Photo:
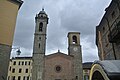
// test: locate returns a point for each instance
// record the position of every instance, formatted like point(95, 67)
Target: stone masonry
point(4, 59)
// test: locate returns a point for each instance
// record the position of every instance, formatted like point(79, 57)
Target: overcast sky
point(64, 16)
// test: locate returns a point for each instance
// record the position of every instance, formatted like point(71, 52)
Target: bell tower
point(74, 49)
point(39, 47)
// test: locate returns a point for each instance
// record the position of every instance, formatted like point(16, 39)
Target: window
point(86, 77)
point(10, 68)
point(41, 15)
point(13, 70)
point(13, 77)
point(58, 68)
point(74, 39)
point(29, 62)
point(23, 63)
point(39, 38)
point(26, 71)
point(27, 77)
point(20, 70)
point(19, 77)
point(14, 63)
point(39, 45)
point(24, 78)
point(19, 63)
point(41, 26)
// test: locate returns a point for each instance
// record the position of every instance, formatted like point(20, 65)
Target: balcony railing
point(114, 35)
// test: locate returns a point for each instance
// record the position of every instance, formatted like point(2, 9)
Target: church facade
point(57, 66)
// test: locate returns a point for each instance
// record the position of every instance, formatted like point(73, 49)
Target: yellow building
point(20, 68)
point(86, 70)
point(8, 13)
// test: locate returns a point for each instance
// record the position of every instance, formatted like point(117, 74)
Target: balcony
point(114, 35)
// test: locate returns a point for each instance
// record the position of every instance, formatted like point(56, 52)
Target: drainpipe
point(101, 46)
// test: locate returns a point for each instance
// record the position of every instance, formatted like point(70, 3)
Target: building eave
point(19, 2)
point(13, 58)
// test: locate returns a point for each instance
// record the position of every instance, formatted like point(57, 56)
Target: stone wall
point(4, 60)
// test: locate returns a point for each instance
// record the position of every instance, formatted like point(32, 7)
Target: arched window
point(74, 39)
point(41, 26)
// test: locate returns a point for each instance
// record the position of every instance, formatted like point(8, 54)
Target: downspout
point(102, 52)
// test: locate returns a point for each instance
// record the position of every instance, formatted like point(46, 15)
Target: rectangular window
point(14, 63)
point(19, 77)
point(39, 45)
point(10, 68)
point(20, 70)
point(23, 63)
point(26, 71)
point(86, 77)
point(13, 70)
point(19, 63)
point(27, 77)
point(40, 38)
point(24, 78)
point(29, 62)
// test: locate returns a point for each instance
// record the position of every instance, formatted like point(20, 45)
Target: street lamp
point(18, 50)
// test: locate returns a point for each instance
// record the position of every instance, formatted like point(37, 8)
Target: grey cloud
point(24, 33)
point(65, 16)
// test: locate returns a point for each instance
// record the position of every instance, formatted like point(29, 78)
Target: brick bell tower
point(41, 21)
point(74, 49)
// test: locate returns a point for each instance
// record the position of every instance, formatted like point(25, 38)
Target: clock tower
point(74, 49)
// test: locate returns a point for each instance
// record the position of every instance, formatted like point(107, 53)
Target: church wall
point(66, 72)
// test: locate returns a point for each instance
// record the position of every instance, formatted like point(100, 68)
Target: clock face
point(75, 48)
